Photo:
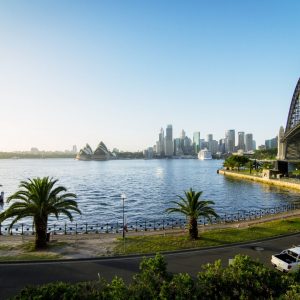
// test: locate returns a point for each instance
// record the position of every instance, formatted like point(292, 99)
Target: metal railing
point(146, 225)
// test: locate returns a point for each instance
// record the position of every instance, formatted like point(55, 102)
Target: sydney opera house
point(101, 153)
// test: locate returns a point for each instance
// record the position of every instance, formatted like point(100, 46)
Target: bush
point(243, 279)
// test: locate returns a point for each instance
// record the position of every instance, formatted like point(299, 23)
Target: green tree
point(235, 161)
point(193, 208)
point(39, 198)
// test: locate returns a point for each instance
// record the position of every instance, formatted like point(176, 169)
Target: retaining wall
point(276, 182)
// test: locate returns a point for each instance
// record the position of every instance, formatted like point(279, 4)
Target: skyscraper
point(160, 145)
point(249, 142)
point(169, 151)
point(230, 140)
point(209, 142)
point(196, 141)
point(241, 140)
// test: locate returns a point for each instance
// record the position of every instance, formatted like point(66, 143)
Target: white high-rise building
point(160, 144)
point(169, 146)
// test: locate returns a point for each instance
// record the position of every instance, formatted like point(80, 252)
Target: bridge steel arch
point(291, 137)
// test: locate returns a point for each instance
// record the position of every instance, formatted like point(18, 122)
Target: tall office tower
point(177, 147)
point(187, 146)
point(241, 140)
point(230, 140)
point(272, 143)
point(222, 145)
point(196, 141)
point(161, 143)
point(182, 136)
point(169, 151)
point(253, 145)
point(203, 144)
point(209, 137)
point(214, 145)
point(209, 142)
point(249, 142)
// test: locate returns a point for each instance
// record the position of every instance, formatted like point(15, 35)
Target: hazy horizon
point(76, 72)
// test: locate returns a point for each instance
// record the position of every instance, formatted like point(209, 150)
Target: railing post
point(225, 218)
point(0, 229)
point(117, 230)
point(136, 226)
point(107, 228)
point(32, 229)
point(76, 228)
point(154, 225)
point(145, 228)
point(163, 224)
point(54, 226)
point(86, 228)
point(22, 229)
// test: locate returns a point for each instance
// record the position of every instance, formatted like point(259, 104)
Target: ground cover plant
point(243, 279)
point(214, 237)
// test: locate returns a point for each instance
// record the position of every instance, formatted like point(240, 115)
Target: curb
point(129, 256)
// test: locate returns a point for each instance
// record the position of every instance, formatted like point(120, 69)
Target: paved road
point(14, 277)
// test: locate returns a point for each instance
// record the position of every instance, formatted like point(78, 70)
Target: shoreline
point(84, 246)
point(275, 182)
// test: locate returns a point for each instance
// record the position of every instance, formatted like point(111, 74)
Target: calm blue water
point(149, 185)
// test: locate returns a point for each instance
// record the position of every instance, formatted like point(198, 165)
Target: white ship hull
point(204, 155)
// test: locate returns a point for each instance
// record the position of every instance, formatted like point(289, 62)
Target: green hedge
point(243, 279)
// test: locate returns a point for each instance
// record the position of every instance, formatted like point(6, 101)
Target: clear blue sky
point(73, 72)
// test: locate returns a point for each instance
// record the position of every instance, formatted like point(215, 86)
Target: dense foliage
point(192, 207)
point(265, 154)
point(236, 162)
point(243, 279)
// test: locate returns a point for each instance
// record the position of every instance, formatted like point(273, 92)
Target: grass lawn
point(214, 237)
point(26, 251)
point(30, 256)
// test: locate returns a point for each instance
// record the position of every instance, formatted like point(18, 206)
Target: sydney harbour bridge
point(289, 139)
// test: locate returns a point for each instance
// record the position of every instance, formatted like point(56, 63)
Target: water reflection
point(150, 186)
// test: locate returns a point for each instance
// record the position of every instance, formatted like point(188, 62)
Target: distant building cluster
point(182, 146)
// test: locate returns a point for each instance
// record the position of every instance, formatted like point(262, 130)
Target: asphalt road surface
point(15, 276)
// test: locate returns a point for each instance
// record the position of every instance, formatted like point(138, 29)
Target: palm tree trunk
point(40, 233)
point(193, 228)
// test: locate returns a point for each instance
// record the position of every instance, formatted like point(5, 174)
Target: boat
point(204, 154)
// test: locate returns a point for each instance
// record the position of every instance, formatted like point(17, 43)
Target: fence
point(147, 225)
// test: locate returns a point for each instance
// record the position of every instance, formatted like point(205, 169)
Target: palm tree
point(38, 198)
point(193, 208)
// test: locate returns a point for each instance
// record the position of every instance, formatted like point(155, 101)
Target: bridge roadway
point(14, 276)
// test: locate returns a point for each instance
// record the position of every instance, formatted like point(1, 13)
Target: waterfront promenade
point(282, 182)
point(82, 246)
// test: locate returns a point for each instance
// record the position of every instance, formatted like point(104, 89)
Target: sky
point(77, 72)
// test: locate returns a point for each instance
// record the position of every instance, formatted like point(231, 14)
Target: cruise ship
point(204, 154)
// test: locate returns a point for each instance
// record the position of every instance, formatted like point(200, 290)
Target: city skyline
point(232, 141)
point(73, 73)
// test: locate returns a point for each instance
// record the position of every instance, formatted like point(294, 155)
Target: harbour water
point(150, 186)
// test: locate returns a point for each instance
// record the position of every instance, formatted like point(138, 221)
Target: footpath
point(103, 244)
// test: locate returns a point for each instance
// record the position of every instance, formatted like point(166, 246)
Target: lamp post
point(123, 197)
